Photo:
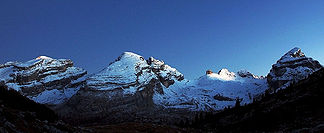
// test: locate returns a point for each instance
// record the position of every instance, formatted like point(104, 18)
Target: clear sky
point(190, 35)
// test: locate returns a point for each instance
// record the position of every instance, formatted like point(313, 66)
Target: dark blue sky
point(191, 36)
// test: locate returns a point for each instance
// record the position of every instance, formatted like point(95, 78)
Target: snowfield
point(211, 92)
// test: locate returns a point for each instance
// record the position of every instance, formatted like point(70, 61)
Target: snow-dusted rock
point(133, 88)
point(131, 70)
point(43, 79)
point(123, 89)
point(292, 67)
point(245, 73)
point(212, 92)
point(223, 74)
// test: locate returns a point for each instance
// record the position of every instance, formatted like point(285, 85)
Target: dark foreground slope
point(19, 114)
point(299, 108)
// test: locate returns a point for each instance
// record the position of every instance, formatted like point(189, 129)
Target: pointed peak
point(294, 49)
point(292, 54)
point(295, 52)
point(129, 56)
point(223, 74)
point(292, 67)
point(223, 71)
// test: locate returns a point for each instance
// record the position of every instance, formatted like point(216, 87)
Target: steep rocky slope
point(291, 67)
point(44, 80)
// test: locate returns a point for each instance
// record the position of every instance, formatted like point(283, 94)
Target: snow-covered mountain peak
point(131, 56)
point(42, 62)
point(44, 58)
point(130, 70)
point(223, 74)
point(128, 59)
point(226, 72)
point(291, 55)
point(213, 91)
point(43, 79)
point(119, 74)
point(226, 75)
point(291, 67)
point(295, 52)
point(245, 73)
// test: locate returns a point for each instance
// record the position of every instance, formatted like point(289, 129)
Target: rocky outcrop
point(121, 92)
point(245, 73)
point(44, 80)
point(209, 72)
point(290, 68)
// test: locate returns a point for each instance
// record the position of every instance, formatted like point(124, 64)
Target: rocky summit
point(130, 72)
point(290, 68)
point(43, 79)
point(123, 91)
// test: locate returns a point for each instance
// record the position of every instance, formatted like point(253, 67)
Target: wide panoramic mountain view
point(125, 66)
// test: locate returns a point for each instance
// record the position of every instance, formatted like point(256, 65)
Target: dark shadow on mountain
point(13, 99)
point(20, 114)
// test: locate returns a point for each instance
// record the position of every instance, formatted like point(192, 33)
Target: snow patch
point(55, 96)
point(44, 58)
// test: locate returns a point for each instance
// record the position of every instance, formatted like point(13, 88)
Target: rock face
point(209, 72)
point(291, 67)
point(245, 73)
point(121, 92)
point(44, 80)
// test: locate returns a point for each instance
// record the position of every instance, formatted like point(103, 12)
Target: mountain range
point(135, 89)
